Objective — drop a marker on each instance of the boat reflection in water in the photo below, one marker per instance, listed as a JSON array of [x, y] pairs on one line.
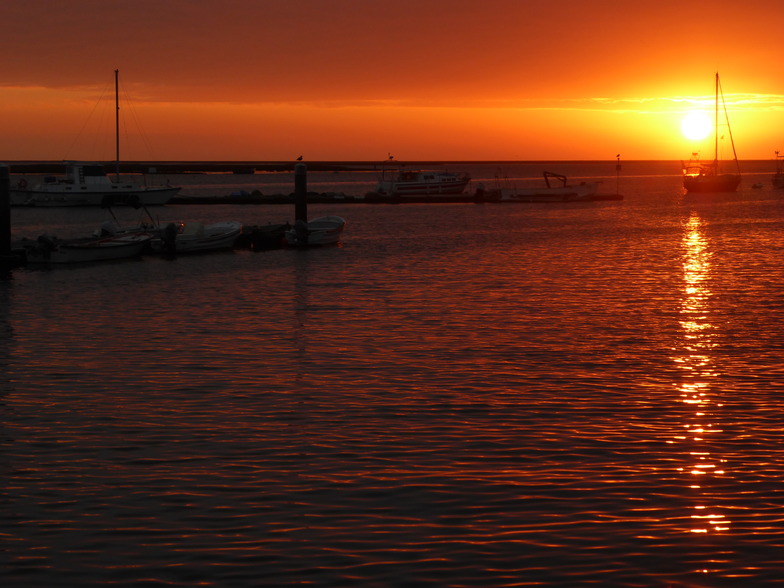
[[695, 358]]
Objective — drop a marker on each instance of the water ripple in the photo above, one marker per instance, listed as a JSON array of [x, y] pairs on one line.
[[559, 396]]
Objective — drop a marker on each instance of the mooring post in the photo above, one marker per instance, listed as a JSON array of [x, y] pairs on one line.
[[8, 258], [301, 192], [5, 211]]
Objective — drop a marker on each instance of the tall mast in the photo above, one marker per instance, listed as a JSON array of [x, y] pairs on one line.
[[716, 127], [117, 123]]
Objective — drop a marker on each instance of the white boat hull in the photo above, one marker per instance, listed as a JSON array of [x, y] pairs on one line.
[[404, 189], [423, 183], [189, 237], [94, 197], [52, 251], [576, 193], [325, 230]]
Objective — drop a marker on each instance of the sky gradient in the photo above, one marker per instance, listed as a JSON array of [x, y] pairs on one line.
[[361, 79]]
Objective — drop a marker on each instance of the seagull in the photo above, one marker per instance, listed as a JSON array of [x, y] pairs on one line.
[[299, 158]]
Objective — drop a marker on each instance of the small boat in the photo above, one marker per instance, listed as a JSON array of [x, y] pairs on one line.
[[193, 236], [778, 177], [699, 176], [551, 193], [87, 184], [421, 183], [325, 230], [46, 250], [264, 237]]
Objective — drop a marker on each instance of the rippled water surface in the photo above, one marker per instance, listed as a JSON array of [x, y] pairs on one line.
[[459, 394]]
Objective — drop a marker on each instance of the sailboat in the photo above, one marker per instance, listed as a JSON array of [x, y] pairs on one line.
[[87, 184], [707, 176]]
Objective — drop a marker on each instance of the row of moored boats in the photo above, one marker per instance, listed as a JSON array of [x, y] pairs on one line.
[[113, 242]]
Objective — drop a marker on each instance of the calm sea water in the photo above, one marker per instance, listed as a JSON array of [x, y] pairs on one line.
[[458, 395]]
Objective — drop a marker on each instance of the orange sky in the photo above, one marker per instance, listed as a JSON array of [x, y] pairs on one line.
[[358, 79]]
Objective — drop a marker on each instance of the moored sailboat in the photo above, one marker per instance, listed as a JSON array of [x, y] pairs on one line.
[[87, 184], [699, 176]]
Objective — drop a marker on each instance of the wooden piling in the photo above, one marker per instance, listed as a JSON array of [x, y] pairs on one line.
[[301, 192], [5, 210], [8, 259]]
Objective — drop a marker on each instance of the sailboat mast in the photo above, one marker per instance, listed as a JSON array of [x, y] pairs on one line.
[[117, 123], [716, 126]]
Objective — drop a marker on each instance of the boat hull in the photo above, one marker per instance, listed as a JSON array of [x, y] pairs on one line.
[[46, 251], [403, 189], [261, 238], [712, 183], [577, 193], [88, 197], [321, 231], [179, 238], [403, 183]]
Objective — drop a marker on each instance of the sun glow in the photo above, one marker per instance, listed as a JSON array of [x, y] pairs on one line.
[[696, 125]]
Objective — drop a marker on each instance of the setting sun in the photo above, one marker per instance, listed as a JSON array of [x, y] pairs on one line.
[[696, 125]]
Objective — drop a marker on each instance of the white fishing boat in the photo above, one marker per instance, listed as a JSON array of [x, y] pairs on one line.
[[402, 183], [50, 250], [88, 184], [700, 176], [325, 230], [550, 193], [194, 236]]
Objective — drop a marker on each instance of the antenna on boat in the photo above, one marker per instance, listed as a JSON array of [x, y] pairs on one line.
[[117, 123], [618, 174]]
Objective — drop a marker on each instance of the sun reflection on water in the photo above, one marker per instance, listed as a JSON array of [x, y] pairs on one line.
[[694, 357]]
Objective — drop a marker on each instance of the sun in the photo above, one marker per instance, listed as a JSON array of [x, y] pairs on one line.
[[696, 125]]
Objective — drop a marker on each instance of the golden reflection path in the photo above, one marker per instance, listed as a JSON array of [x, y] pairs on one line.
[[694, 357]]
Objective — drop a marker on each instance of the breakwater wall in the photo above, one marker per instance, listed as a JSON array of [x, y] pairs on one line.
[[184, 167]]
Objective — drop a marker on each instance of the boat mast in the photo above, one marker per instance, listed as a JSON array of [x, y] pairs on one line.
[[117, 123], [716, 128]]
